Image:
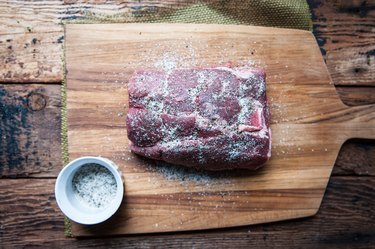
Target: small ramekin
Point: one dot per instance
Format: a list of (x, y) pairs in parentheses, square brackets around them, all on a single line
[(72, 207)]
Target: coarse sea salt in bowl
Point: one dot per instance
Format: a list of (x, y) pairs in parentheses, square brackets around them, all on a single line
[(89, 190)]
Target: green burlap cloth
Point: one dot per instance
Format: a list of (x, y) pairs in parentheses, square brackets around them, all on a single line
[(272, 13)]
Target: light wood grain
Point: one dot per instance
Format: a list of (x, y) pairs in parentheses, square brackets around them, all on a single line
[(30, 218), (32, 33), (44, 159), (309, 122), (353, 96)]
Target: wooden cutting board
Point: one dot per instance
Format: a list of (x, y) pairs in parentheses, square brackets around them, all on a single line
[(309, 123)]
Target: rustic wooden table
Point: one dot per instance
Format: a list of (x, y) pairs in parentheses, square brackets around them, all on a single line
[(31, 39)]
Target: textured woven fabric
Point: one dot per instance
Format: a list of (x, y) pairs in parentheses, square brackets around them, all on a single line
[(271, 13)]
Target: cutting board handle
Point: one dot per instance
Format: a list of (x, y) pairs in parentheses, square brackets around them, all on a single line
[(361, 122)]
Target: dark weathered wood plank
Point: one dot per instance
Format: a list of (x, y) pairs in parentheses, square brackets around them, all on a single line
[(31, 218), (22, 124), (344, 31), (356, 157), (30, 130), (31, 41), (28, 210), (32, 34)]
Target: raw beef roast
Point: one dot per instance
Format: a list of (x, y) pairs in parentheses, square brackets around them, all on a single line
[(213, 119)]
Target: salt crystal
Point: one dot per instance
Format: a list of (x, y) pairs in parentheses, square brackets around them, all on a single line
[(94, 186)]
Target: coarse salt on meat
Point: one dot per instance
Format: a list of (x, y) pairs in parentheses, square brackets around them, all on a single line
[(210, 118)]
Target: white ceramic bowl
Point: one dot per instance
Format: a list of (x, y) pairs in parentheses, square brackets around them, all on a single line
[(72, 207)]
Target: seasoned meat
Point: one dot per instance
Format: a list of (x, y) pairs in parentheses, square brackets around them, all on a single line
[(211, 118)]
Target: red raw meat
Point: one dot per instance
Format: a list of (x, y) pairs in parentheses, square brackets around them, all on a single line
[(213, 119)]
